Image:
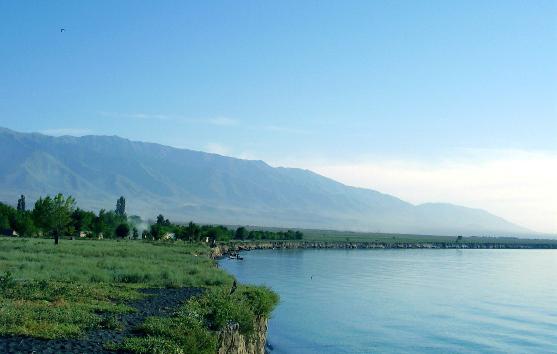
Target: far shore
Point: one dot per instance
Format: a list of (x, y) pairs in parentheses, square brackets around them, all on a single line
[(230, 247)]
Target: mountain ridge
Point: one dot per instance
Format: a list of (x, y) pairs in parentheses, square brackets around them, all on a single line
[(193, 185)]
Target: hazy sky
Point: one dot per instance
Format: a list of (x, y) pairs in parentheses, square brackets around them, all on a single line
[(452, 101)]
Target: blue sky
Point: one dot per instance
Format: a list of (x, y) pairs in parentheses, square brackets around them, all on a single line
[(320, 84)]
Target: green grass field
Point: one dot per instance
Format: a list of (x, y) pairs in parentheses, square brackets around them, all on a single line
[(388, 238), (63, 291)]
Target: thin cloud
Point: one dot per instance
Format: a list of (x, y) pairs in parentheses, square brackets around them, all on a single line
[(288, 130), (137, 115), (217, 121), (222, 121)]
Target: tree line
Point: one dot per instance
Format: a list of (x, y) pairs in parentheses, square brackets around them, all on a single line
[(163, 228), (59, 216)]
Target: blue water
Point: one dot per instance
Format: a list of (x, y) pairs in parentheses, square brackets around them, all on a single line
[(407, 301)]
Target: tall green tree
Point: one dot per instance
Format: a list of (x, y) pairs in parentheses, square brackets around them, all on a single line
[(161, 221), (121, 206), (241, 233), (6, 215), (193, 232), (82, 220), (23, 223), (53, 215), (21, 203), (123, 230)]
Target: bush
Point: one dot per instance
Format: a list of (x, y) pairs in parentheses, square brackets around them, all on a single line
[(122, 230), (6, 282)]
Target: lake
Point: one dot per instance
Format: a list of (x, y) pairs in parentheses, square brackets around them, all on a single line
[(436, 301)]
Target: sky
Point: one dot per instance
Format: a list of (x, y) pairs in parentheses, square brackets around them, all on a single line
[(432, 101)]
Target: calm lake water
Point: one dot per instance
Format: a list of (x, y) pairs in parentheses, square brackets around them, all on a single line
[(437, 301)]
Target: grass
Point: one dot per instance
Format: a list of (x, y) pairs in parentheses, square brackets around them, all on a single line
[(156, 264), (186, 331), (390, 238), (313, 235), (49, 291)]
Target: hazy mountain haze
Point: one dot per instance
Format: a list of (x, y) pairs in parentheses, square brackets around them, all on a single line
[(191, 185)]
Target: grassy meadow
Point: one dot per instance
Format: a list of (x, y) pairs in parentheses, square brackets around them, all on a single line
[(315, 235), (343, 236), (62, 291)]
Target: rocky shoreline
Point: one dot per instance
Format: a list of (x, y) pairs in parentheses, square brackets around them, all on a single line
[(232, 247)]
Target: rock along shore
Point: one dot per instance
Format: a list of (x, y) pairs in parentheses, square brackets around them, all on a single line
[(226, 248)]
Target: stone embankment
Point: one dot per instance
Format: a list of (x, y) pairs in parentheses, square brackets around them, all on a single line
[(223, 249)]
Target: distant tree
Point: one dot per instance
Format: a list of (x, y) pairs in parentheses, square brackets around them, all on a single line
[(107, 222), (459, 238), (21, 203), (53, 215), (123, 230), (23, 224), (145, 234), (156, 231), (7, 214), (161, 221), (135, 219), (241, 233), (83, 220), (4, 222), (135, 233), (121, 207), (193, 232)]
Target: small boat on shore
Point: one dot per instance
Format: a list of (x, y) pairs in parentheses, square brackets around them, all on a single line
[(235, 256)]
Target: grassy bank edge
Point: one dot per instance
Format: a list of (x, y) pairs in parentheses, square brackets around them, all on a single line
[(64, 291)]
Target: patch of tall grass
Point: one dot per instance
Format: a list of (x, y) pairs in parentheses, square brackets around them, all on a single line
[(194, 327), (50, 291)]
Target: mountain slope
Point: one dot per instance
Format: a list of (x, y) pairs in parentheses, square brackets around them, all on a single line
[(186, 185)]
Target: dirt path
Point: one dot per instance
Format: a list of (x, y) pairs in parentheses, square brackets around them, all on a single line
[(161, 302)]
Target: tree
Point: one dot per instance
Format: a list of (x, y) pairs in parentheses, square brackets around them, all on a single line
[(21, 203), (107, 222), (121, 207), (23, 223), (135, 233), (7, 214), (192, 232), (122, 230), (145, 234), (4, 222), (83, 220), (241, 233), (156, 231), (53, 215), (161, 221), (459, 239)]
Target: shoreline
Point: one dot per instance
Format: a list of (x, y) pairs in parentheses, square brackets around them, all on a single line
[(225, 248)]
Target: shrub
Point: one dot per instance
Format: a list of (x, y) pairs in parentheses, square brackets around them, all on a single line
[(6, 282)]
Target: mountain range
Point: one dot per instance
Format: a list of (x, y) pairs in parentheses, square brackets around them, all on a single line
[(189, 185)]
